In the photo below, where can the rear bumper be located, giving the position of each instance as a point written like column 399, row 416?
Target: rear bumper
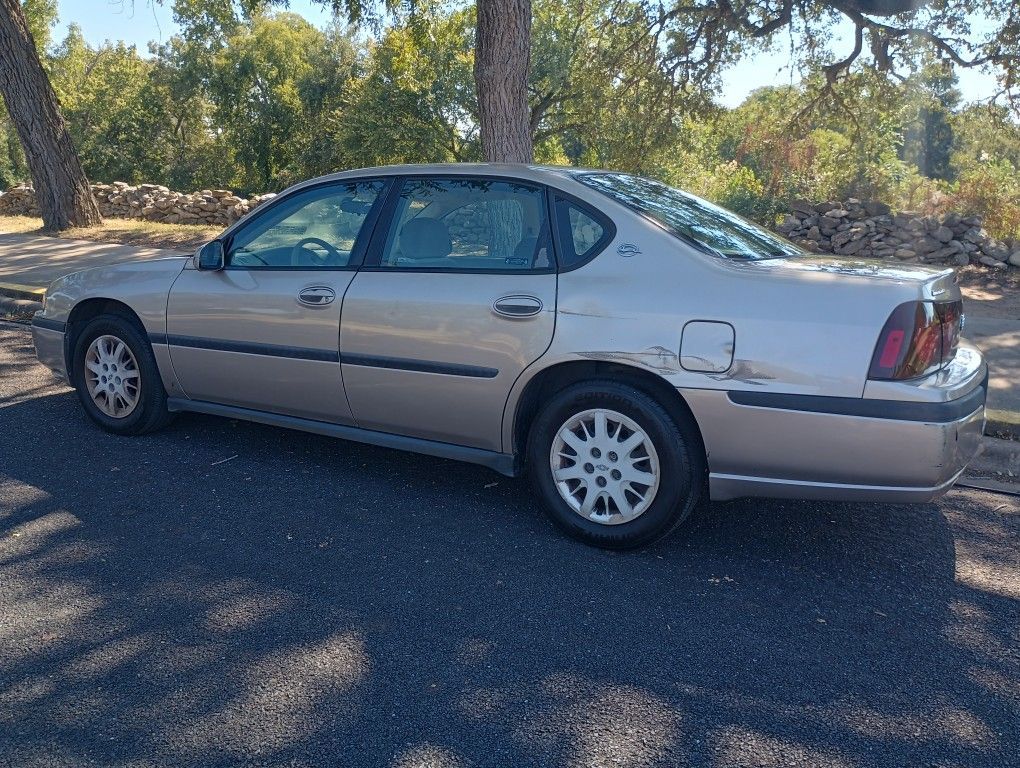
column 852, row 449
column 48, row 336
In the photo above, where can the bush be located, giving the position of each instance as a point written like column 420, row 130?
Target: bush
column 728, row 184
column 992, row 190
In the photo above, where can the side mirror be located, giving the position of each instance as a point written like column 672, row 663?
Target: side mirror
column 210, row 256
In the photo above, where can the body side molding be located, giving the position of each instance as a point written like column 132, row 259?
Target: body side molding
column 421, row 366
column 326, row 355
column 245, row 347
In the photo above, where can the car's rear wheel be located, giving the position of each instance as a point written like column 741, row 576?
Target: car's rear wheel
column 115, row 374
column 612, row 466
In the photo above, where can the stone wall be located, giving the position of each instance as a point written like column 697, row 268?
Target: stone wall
column 152, row 202
column 867, row 229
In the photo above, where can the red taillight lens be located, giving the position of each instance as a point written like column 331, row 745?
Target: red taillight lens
column 918, row 338
column 891, row 349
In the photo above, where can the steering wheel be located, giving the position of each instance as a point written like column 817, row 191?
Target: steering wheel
column 300, row 257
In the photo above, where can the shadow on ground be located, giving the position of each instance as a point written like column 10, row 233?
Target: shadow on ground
column 310, row 601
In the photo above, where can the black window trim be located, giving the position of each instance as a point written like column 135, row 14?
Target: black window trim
column 361, row 243
column 373, row 256
column 561, row 228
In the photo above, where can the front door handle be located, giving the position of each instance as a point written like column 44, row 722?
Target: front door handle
column 317, row 296
column 517, row 306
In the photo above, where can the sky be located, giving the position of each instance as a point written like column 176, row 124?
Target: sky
column 142, row 21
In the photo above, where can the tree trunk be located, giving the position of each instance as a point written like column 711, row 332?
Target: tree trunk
column 502, row 60
column 61, row 188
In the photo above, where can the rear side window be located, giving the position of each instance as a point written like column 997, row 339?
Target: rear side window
column 468, row 224
column 711, row 228
column 583, row 232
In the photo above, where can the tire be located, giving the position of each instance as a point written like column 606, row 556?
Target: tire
column 149, row 411
column 649, row 511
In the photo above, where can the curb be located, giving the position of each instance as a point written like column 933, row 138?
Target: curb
column 1003, row 455
column 18, row 310
column 19, row 302
column 22, row 291
column 1000, row 422
column 996, row 467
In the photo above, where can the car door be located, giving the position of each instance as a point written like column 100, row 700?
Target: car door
column 457, row 297
column 263, row 332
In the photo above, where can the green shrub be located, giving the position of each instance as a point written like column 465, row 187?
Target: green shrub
column 993, row 191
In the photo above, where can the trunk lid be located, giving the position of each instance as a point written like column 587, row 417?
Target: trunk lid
column 925, row 282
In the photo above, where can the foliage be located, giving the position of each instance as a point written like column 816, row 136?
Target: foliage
column 415, row 102
column 931, row 96
column 992, row 190
column 42, row 17
column 100, row 93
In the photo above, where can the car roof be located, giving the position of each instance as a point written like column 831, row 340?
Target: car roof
column 534, row 172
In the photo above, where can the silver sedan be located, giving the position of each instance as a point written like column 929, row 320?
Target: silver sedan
column 631, row 347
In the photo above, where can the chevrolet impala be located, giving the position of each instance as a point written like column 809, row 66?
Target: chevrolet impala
column 630, row 347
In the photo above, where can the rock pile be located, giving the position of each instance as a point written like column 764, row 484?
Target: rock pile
column 152, row 202
column 19, row 201
column 870, row 230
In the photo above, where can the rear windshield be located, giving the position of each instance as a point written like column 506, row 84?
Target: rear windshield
column 692, row 219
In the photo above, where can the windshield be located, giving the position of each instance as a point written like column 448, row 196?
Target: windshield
column 691, row 218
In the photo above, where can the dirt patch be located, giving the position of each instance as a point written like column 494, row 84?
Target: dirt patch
column 181, row 237
column 996, row 291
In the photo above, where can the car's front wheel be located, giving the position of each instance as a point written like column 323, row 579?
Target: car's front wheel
column 116, row 377
column 612, row 466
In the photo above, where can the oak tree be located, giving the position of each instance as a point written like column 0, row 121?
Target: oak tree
column 65, row 198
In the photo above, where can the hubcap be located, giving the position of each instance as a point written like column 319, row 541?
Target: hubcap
column 112, row 376
column 605, row 466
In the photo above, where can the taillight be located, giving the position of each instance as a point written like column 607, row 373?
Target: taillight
column 918, row 338
column 951, row 316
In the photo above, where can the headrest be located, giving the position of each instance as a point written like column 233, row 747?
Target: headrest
column 425, row 239
column 525, row 250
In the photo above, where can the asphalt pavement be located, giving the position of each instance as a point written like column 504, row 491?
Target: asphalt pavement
column 225, row 593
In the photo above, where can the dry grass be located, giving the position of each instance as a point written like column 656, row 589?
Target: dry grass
column 181, row 237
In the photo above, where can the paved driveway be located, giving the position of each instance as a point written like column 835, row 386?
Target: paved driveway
column 38, row 260
column 226, row 593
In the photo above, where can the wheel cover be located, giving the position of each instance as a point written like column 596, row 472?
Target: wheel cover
column 605, row 466
column 112, row 377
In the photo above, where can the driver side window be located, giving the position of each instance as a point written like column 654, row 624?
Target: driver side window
column 313, row 229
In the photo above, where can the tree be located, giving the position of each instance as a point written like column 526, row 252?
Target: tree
column 689, row 43
column 599, row 93
column 65, row 198
column 931, row 97
column 502, row 58
column 257, row 81
column 693, row 40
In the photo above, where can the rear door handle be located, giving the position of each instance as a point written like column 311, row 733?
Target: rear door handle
column 517, row 306
column 317, row 296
